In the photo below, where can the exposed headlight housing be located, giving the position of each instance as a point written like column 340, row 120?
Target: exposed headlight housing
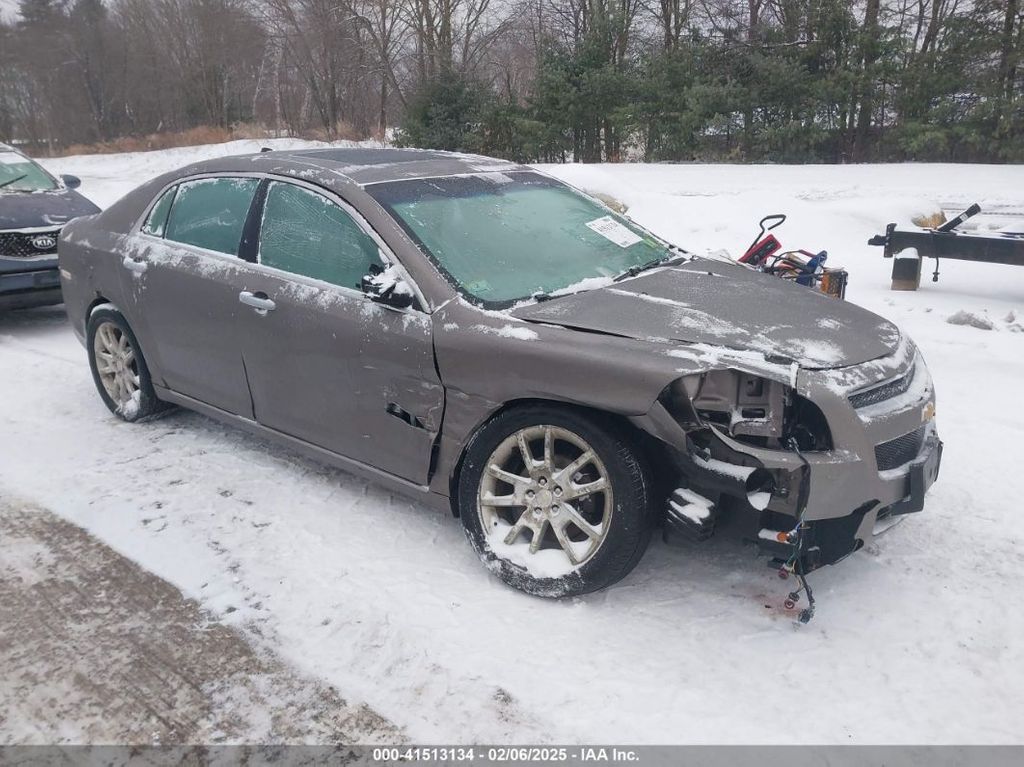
column 742, row 403
column 750, row 408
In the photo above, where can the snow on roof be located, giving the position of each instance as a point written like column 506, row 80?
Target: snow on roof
column 362, row 157
column 377, row 165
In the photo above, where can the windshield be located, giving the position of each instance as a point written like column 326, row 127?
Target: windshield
column 502, row 238
column 20, row 174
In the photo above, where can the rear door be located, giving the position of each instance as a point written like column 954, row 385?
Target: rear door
column 326, row 364
column 181, row 274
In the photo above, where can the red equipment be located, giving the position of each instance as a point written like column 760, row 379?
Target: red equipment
column 801, row 266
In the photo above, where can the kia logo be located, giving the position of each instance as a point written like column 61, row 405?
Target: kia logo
column 44, row 242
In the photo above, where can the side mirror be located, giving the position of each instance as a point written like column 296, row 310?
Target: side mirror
column 386, row 286
column 71, row 182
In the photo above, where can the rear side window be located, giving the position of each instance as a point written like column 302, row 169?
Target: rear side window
column 156, row 224
column 210, row 213
column 305, row 233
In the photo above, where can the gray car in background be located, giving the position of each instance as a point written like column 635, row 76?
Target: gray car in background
column 498, row 343
column 34, row 206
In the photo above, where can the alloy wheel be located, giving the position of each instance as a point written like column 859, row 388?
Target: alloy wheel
column 544, row 487
column 116, row 364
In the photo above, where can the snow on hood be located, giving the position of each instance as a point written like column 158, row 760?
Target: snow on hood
column 707, row 302
column 31, row 210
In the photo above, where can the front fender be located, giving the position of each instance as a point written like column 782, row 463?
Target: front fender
column 489, row 359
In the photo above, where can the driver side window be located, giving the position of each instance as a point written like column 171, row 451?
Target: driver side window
column 304, row 233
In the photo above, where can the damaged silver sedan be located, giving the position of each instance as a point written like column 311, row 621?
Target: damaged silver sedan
column 493, row 340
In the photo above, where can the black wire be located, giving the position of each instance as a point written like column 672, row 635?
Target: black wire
column 808, row 613
column 801, row 528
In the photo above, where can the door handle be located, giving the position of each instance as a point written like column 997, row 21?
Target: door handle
column 257, row 301
column 129, row 263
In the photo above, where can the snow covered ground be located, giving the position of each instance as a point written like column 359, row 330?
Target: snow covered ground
column 916, row 639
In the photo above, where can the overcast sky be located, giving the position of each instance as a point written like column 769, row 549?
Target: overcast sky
column 8, row 9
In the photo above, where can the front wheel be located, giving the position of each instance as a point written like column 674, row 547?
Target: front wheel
column 118, row 367
column 555, row 504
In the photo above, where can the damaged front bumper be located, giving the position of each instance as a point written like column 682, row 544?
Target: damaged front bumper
column 885, row 455
column 827, row 540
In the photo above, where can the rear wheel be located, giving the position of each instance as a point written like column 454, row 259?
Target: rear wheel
column 118, row 367
column 555, row 504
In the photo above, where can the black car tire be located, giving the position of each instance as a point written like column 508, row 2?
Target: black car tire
column 631, row 520
column 148, row 405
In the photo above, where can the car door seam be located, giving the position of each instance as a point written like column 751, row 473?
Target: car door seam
column 435, row 447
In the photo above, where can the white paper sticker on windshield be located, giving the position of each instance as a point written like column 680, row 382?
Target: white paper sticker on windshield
column 11, row 158
column 611, row 229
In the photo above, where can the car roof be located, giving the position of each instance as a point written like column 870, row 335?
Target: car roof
column 363, row 166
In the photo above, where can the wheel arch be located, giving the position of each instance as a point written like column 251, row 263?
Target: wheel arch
column 99, row 300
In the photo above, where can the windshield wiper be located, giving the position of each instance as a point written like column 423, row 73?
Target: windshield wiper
column 633, row 271
column 10, row 181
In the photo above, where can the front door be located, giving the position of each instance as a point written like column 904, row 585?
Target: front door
column 325, row 364
column 181, row 274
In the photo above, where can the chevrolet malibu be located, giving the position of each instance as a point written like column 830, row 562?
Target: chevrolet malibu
column 502, row 345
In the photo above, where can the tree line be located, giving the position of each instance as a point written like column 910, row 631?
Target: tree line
column 548, row 80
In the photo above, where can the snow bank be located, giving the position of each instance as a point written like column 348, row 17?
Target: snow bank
column 970, row 319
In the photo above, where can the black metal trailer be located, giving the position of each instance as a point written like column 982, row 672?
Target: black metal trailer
column 945, row 242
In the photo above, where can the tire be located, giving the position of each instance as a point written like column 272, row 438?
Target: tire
column 617, row 519
column 118, row 368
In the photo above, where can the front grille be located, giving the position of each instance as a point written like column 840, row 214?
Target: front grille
column 896, row 452
column 886, row 391
column 20, row 244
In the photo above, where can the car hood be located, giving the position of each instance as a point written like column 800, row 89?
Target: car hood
column 32, row 210
column 726, row 305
